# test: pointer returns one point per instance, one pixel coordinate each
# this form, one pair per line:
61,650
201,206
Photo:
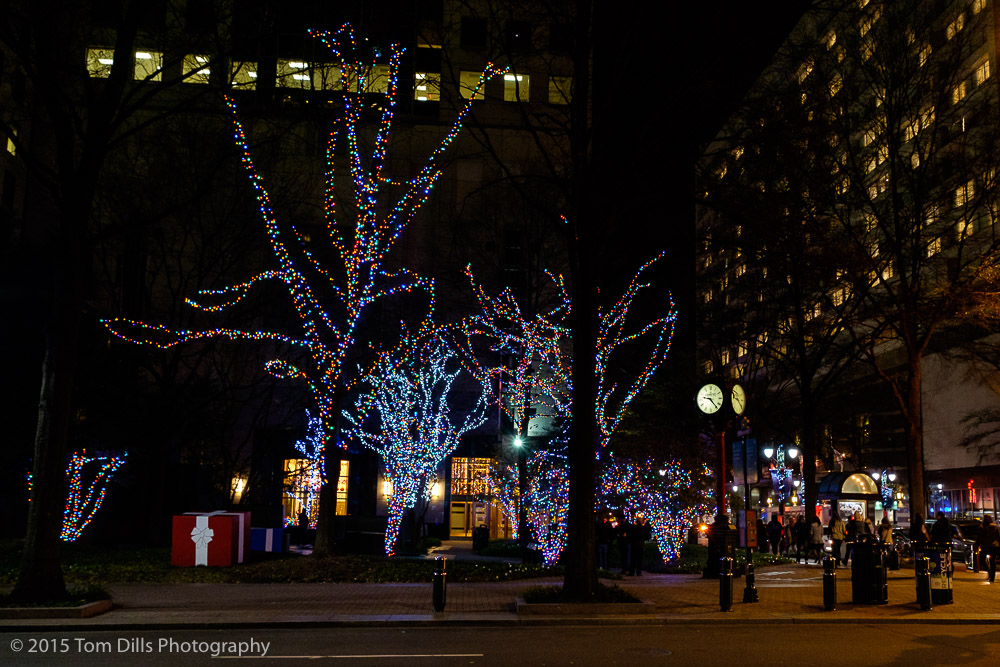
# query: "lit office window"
982,71
244,75
148,66
195,69
427,86
467,82
99,62
515,87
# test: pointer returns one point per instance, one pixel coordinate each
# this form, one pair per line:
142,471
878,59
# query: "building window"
467,82
982,71
830,39
195,69
925,54
99,62
12,141
515,87
955,26
978,6
836,83
560,88
964,193
244,75
958,93
427,87
934,247
148,66
469,477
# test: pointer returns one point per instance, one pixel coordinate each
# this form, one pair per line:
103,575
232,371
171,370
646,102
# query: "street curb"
82,611
503,620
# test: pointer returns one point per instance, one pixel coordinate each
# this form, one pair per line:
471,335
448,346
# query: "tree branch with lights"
404,415
332,297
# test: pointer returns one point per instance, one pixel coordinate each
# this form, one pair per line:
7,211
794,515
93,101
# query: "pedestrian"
853,528
941,530
604,533
761,536
989,545
774,531
637,538
838,531
622,537
815,539
918,530
885,531
801,538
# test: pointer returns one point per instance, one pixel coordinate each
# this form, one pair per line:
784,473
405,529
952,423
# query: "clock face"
739,399
710,399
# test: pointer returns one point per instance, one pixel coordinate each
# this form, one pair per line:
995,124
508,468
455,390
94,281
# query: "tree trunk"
40,577
808,449
326,528
580,582
915,440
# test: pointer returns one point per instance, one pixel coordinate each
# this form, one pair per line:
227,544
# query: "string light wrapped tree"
405,416
544,343
671,497
330,296
86,494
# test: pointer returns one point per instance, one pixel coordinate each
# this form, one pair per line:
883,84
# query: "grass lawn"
85,566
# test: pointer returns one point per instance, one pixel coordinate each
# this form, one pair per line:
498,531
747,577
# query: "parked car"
902,543
961,547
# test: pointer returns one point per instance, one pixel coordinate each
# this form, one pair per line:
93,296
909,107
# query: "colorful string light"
611,336
85,496
362,244
547,502
671,497
404,416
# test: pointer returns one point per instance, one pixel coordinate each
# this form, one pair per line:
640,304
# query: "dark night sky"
675,78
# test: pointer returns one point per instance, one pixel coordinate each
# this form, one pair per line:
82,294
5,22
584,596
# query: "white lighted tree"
404,415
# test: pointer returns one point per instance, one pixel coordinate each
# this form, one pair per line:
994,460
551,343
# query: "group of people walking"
630,538
806,537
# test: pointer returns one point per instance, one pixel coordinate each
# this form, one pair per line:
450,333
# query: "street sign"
749,463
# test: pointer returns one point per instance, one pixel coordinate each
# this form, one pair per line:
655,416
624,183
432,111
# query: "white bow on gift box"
201,535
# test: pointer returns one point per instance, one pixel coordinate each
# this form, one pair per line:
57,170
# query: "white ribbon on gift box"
201,535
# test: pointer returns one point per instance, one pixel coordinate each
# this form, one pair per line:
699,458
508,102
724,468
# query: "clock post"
722,537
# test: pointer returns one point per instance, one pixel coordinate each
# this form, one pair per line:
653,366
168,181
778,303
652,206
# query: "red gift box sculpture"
210,538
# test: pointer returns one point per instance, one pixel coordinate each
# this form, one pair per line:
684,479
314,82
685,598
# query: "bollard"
750,591
440,585
726,583
829,583
880,580
922,567
977,554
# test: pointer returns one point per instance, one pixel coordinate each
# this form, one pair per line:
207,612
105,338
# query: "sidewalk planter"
210,538
267,539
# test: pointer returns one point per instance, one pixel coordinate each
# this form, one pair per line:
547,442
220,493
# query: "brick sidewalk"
787,593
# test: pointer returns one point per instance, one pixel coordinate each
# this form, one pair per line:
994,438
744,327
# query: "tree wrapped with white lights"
332,297
404,415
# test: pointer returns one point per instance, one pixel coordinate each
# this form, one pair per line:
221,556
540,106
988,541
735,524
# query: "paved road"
694,644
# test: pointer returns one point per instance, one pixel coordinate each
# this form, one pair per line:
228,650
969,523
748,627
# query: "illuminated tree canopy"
404,415
330,297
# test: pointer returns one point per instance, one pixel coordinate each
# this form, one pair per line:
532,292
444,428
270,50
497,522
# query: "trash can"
868,577
941,570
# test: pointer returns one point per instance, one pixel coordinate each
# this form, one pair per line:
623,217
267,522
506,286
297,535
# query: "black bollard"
726,583
750,591
922,567
829,583
440,585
